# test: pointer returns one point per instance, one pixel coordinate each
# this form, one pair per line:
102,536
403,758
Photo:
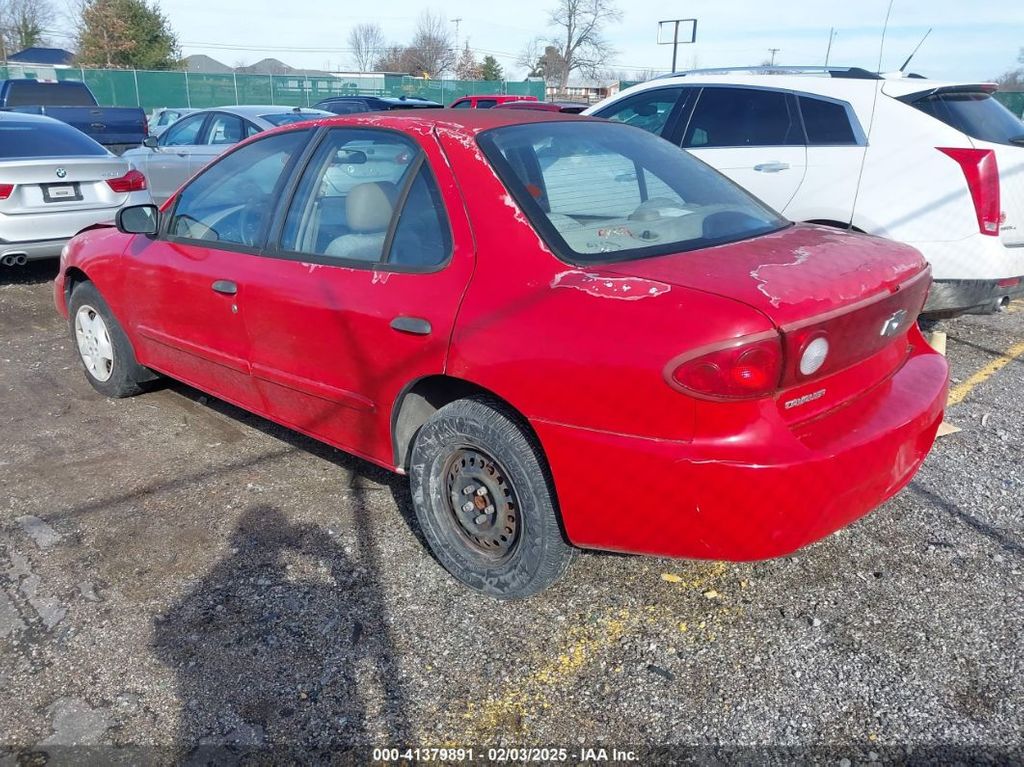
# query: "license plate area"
62,192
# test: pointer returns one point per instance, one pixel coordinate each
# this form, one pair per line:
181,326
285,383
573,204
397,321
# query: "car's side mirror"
152,142
138,219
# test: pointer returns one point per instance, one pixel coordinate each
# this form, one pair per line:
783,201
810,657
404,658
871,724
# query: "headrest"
369,207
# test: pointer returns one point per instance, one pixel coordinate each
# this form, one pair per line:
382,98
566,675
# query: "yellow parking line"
584,645
959,392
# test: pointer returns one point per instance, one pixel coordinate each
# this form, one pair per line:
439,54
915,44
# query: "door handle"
772,167
417,326
227,287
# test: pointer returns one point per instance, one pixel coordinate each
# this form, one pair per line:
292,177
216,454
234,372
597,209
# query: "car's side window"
486,103
827,122
422,236
224,129
184,132
462,104
649,110
250,129
233,199
743,117
348,195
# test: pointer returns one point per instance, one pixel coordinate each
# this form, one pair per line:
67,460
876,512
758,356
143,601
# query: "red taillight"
744,368
6,190
982,174
132,181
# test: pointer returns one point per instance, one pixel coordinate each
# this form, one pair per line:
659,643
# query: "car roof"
469,121
815,82
251,111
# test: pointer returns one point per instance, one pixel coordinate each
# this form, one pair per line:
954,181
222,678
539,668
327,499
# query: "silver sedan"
54,182
191,143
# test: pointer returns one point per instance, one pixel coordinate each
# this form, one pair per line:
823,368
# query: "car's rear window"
23,93
606,192
22,140
976,113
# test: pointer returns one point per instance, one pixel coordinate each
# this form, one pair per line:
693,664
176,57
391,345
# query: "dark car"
350,105
565,107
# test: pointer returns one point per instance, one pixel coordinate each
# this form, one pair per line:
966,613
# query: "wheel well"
73,276
425,397
835,225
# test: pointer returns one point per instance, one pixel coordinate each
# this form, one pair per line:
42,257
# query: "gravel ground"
177,573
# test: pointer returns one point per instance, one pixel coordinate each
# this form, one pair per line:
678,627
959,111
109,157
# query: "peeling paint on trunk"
620,288
802,254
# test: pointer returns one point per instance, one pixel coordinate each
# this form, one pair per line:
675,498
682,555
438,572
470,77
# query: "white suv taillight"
982,174
6,190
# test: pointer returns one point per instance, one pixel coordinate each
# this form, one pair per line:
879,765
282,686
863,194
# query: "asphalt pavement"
178,574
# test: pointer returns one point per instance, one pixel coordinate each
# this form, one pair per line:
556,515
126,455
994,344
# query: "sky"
970,40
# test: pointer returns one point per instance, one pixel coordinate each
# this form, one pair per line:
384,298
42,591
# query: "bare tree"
393,58
432,50
580,41
23,24
367,43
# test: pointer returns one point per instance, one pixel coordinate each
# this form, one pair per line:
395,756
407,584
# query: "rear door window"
347,198
976,113
650,110
225,129
743,117
486,103
827,122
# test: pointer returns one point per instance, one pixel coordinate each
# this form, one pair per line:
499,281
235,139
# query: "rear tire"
485,502
106,354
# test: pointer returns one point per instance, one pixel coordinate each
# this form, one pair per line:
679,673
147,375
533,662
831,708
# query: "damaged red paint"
622,288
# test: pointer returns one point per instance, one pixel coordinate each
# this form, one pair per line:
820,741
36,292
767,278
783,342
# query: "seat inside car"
368,211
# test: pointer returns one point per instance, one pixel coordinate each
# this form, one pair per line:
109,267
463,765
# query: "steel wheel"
483,503
94,343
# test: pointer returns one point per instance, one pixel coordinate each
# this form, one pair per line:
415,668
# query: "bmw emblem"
61,173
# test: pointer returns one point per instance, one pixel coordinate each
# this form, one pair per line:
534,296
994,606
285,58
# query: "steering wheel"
250,223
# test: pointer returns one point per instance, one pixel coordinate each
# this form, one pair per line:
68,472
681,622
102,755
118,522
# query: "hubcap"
94,344
483,502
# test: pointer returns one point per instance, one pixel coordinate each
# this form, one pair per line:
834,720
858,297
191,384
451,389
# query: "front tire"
104,349
485,502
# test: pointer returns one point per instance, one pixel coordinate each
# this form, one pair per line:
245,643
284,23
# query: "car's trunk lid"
861,293
51,185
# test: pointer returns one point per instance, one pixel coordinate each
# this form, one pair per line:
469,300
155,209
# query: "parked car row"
937,165
666,366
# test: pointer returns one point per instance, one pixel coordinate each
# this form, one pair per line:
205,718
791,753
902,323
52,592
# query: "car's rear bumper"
33,250
950,298
791,486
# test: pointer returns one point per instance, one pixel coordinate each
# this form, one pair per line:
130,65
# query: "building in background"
58,58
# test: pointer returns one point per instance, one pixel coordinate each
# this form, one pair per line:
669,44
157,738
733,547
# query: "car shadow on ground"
32,273
283,647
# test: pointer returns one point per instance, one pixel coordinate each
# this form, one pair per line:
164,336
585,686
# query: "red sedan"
568,332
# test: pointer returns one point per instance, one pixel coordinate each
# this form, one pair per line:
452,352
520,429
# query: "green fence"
1013,100
120,87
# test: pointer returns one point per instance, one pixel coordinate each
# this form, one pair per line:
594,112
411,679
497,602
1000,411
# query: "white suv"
939,166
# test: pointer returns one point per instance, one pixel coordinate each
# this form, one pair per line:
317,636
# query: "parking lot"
177,573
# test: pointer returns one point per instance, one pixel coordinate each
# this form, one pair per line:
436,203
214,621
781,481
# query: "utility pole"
457,22
773,52
831,36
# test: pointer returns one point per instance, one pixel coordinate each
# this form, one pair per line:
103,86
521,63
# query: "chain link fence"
1012,100
151,90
